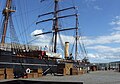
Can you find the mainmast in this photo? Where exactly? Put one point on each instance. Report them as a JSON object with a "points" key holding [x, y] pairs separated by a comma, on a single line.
{"points": [[6, 12], [55, 19], [55, 24]]}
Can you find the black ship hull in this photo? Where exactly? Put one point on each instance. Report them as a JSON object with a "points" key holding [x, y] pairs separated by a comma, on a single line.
{"points": [[20, 64]]}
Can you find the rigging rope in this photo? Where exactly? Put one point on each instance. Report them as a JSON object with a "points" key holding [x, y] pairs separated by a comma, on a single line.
{"points": [[1, 27], [85, 52], [26, 21], [14, 39], [18, 27], [46, 7], [81, 48], [27, 28], [73, 3], [62, 44], [72, 47], [13, 34], [20, 20]]}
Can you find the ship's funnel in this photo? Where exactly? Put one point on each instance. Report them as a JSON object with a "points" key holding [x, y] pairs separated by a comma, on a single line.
{"points": [[66, 49]]}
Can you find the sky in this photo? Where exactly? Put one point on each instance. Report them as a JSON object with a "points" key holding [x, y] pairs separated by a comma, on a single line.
{"points": [[99, 24]]}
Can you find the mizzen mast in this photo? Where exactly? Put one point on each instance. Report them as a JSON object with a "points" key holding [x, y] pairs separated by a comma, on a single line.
{"points": [[76, 38], [6, 12]]}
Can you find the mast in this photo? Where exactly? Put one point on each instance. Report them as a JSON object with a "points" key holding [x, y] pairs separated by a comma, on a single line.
{"points": [[55, 24], [76, 38], [6, 12], [55, 19]]}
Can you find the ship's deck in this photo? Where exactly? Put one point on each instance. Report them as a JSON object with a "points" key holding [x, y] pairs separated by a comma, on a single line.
{"points": [[98, 77]]}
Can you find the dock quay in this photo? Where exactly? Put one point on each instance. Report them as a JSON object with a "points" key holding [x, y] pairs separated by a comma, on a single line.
{"points": [[95, 77]]}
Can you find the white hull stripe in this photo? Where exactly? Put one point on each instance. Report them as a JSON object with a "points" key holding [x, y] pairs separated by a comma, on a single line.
{"points": [[26, 64]]}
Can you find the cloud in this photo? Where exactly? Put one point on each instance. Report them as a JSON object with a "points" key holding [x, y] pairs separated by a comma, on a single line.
{"points": [[97, 8], [40, 40], [90, 0], [117, 17], [91, 55], [115, 21], [45, 39], [102, 57], [37, 32], [104, 49], [117, 28], [97, 48], [116, 25], [113, 38], [91, 3], [101, 52], [96, 44]]}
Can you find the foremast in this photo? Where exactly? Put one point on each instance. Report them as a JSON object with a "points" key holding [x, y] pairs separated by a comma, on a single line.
{"points": [[6, 13]]}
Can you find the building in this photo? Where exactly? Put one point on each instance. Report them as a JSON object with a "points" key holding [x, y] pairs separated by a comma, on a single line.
{"points": [[114, 65]]}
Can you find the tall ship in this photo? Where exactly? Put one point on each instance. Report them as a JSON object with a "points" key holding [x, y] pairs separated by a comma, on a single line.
{"points": [[22, 56]]}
